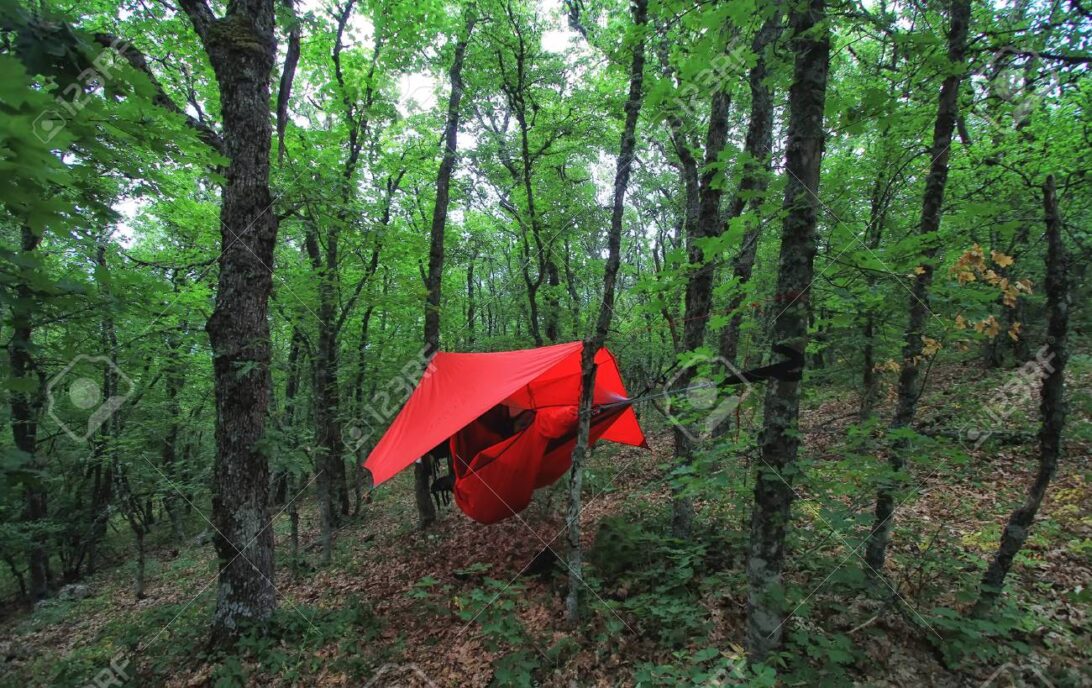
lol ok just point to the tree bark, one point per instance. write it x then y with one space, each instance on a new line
932 203
173 381
422 470
288 75
471 306
291 388
699 286
780 440
26 405
626 152
242 49
878 204
1052 411
326 397
751 193
138 576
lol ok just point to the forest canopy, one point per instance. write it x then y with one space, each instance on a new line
837 251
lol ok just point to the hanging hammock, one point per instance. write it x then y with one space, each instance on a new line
509 419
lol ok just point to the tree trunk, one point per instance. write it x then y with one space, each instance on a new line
756 174
751 193
288 419
26 405
326 396
870 382
422 470
138 577
331 484
1050 366
932 202
553 300
173 381
570 287
592 345
242 49
699 289
471 311
360 448
773 484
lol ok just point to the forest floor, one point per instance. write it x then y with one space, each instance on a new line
470 605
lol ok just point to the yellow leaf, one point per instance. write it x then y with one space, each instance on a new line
1001 259
888 366
1009 296
929 346
919 270
991 327
1014 332
960 322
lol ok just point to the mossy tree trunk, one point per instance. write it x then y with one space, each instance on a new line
773 493
241 47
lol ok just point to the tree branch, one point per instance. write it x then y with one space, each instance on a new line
284 91
139 62
201 17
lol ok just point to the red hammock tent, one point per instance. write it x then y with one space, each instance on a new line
470 400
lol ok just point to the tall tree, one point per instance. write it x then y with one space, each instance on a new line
324 252
26 406
592 344
751 193
242 49
702 268
931 208
773 493
433 280
1051 405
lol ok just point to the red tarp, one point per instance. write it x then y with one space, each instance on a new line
496 473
